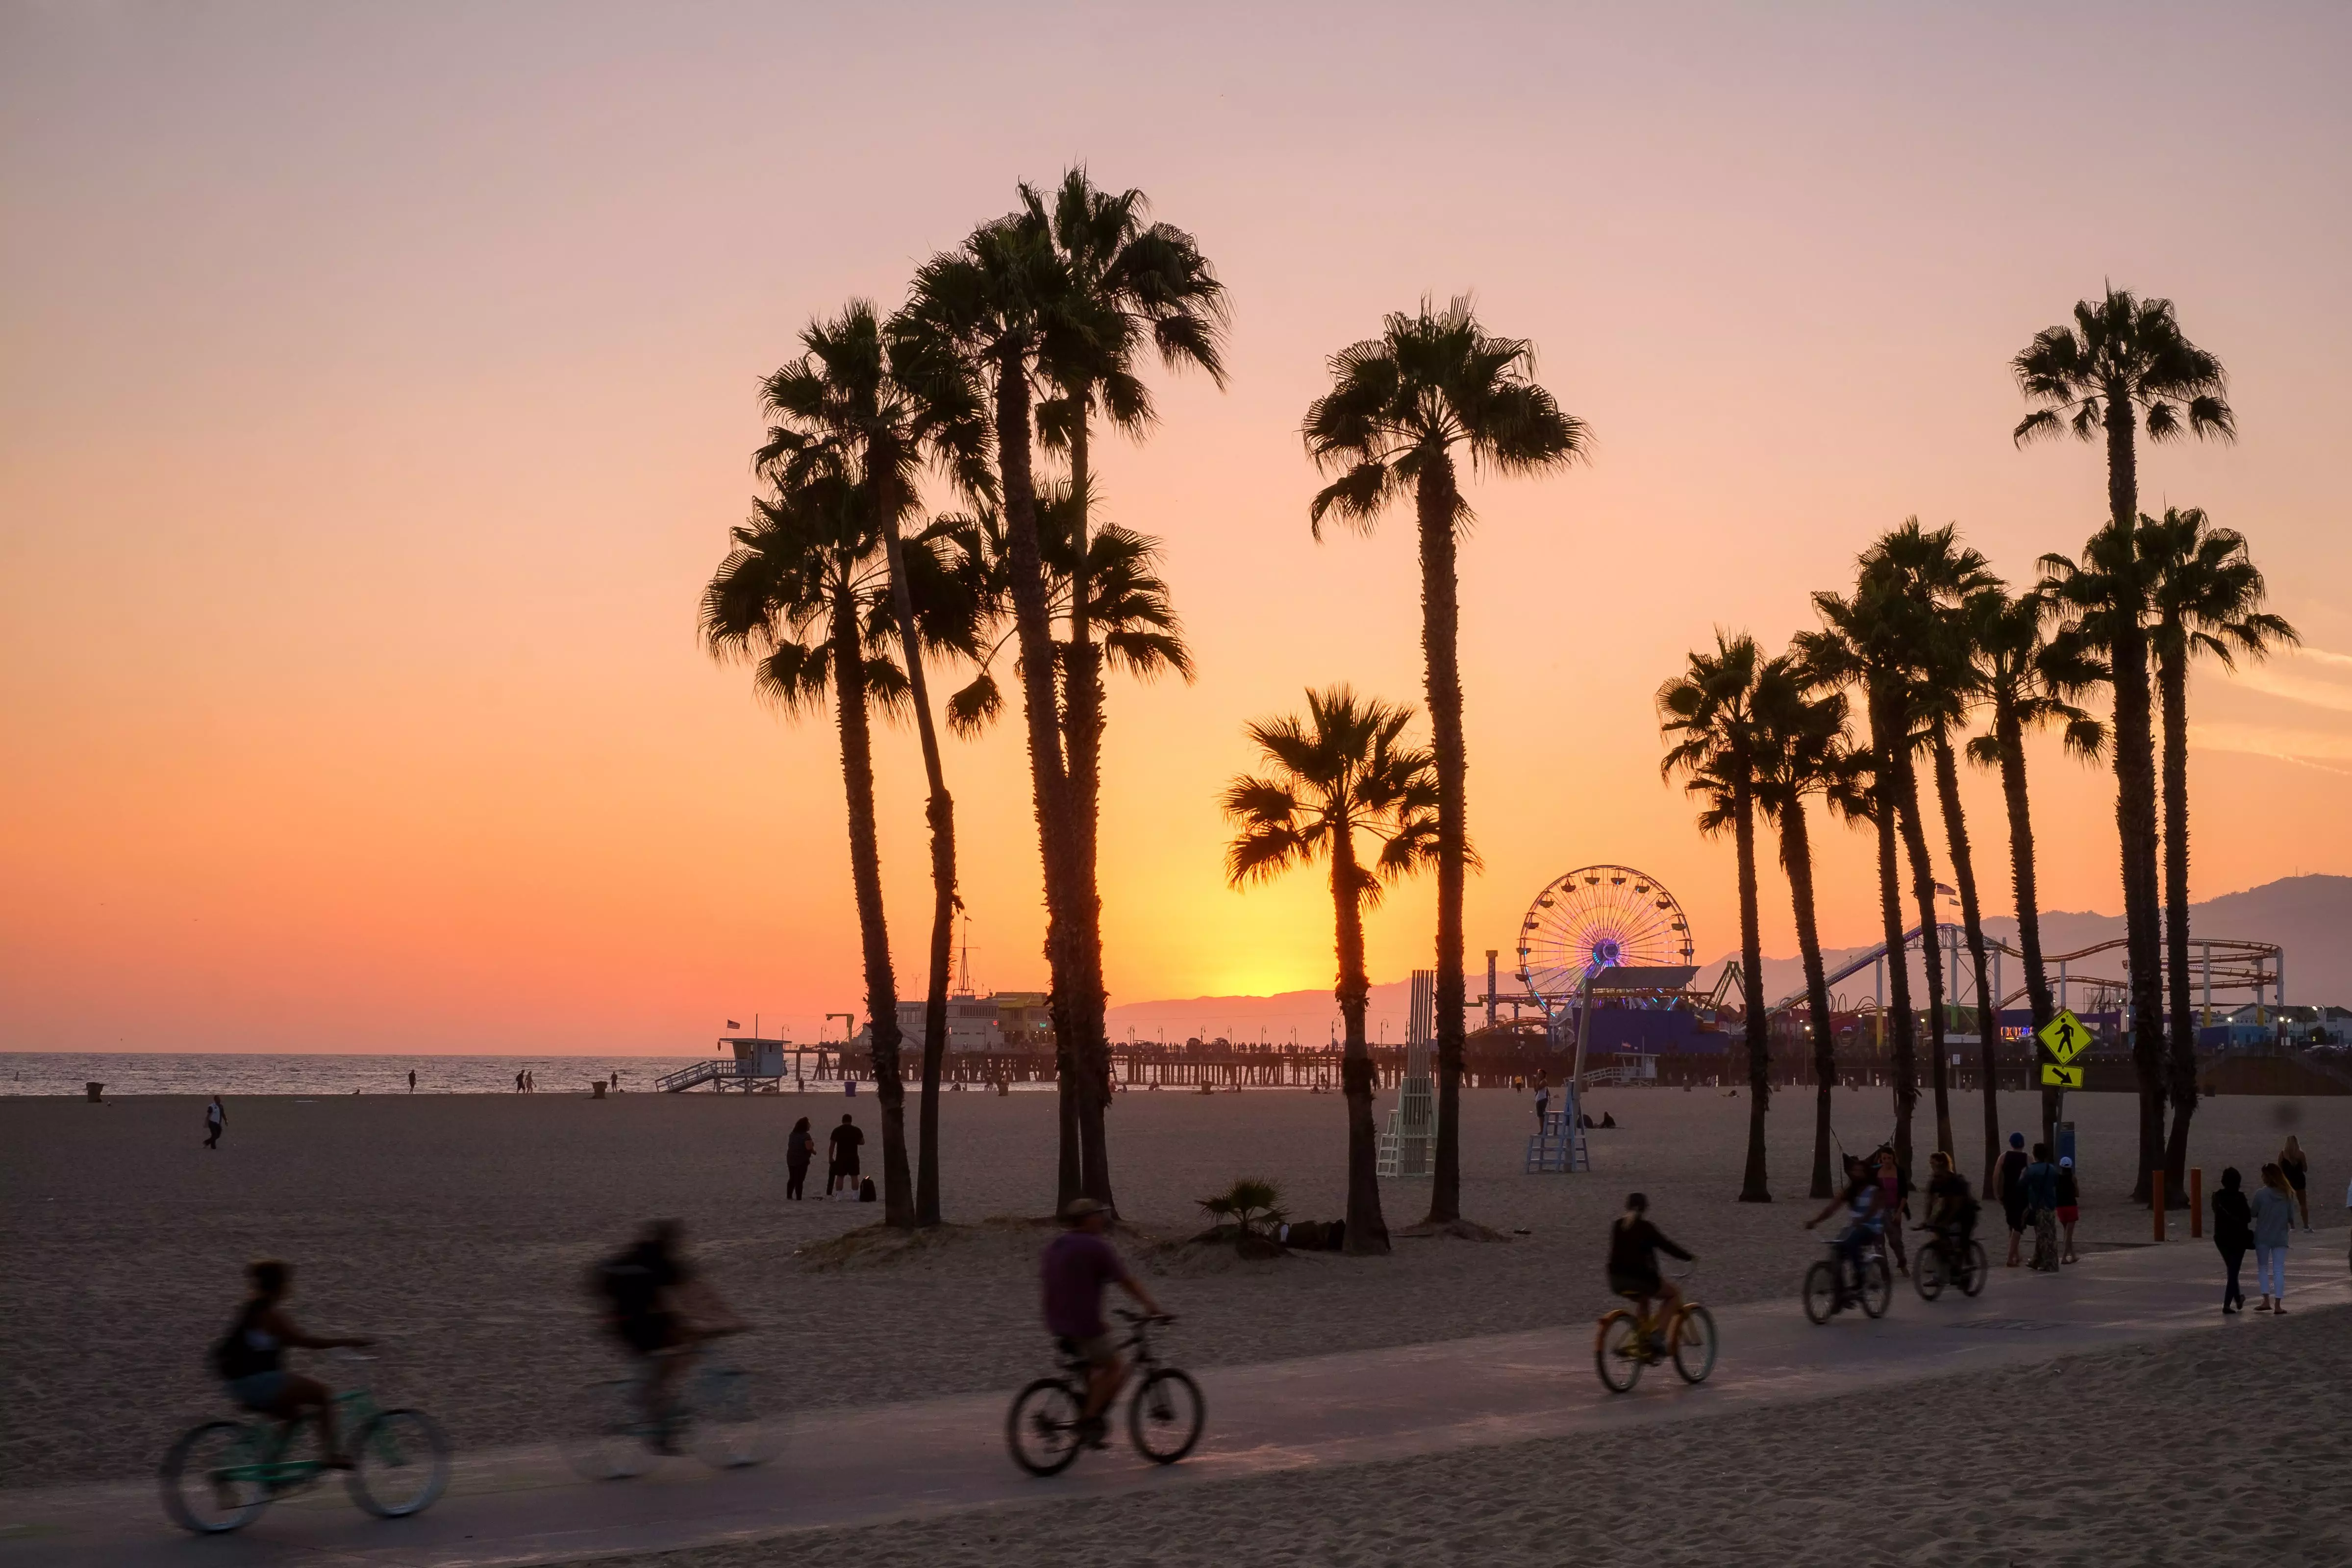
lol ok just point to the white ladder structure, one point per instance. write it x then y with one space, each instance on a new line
1408 1148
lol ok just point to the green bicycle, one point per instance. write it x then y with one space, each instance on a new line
219 1476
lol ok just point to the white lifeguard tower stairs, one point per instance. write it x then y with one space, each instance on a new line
757 1066
1559 1144
1409 1147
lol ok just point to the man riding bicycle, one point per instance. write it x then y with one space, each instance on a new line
660 1309
1078 1264
251 1359
1864 1201
1633 1247
1952 1207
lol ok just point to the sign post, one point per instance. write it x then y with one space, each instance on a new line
2063 1040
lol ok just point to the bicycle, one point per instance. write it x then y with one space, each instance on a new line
1045 1430
220 1475
1942 1262
1828 1292
1629 1340
718 1410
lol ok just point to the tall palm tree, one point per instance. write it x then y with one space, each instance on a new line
2208 599
1801 751
855 397
1401 406
804 594
2124 366
1005 305
1708 713
2019 678
1861 645
1346 769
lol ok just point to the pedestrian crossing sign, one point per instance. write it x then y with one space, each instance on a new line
2066 1039
2056 1076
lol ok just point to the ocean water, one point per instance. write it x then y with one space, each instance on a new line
165 1072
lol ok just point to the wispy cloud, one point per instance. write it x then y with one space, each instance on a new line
2308 748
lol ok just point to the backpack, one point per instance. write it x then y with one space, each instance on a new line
866 1190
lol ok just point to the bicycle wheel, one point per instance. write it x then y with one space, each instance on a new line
1980 1270
1694 1343
400 1464
1821 1290
607 1437
730 1427
1927 1273
1165 1415
1042 1428
211 1478
1877 1287
1617 1352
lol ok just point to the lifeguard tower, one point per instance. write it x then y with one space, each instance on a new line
1408 1147
754 1066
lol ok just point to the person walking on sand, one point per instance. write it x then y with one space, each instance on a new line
841 1157
216 1121
2008 1186
2274 1222
799 1149
2233 1232
517 1082
2297 1171
1543 1103
412 1081
2070 1207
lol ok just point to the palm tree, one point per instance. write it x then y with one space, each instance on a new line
2207 599
2122 366
1006 305
1709 713
2019 677
1861 645
803 593
855 397
1801 751
1347 768
1399 406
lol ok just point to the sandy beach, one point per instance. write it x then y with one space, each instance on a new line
458 1230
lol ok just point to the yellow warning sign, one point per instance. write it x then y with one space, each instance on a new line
2056 1076
2066 1038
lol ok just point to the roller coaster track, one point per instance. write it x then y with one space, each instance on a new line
2227 964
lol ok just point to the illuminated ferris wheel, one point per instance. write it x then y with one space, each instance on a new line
1598 917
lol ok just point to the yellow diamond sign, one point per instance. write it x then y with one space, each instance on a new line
2056 1076
2066 1039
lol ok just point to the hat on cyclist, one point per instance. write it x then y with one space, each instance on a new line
2066 1162
1079 1208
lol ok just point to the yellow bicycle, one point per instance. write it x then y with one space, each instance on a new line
1630 1339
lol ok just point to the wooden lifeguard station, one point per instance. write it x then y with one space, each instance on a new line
755 1066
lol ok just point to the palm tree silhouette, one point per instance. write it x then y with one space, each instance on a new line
1346 769
870 400
804 595
1399 406
2019 677
1708 712
2207 599
2122 366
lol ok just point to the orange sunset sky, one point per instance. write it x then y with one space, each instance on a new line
378 385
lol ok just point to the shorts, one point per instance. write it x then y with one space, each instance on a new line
649 1334
2017 1218
1094 1350
258 1391
1636 1285
2068 1214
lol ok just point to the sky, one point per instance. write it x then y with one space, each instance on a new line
377 386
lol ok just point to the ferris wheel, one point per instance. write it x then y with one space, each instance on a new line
1596 917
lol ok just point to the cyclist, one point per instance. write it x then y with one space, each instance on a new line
1951 1210
251 1359
1633 1247
1078 1264
1862 1201
661 1310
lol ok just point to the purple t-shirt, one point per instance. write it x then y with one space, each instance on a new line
1078 1264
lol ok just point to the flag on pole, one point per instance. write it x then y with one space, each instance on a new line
732 1024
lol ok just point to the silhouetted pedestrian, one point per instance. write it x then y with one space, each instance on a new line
799 1149
2233 1232
841 1164
2274 1222
215 1122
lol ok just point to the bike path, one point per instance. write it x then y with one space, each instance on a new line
853 1466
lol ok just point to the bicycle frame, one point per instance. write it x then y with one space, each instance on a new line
272 1437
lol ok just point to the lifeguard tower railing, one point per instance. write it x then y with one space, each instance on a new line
753 1065
1408 1147
1559 1143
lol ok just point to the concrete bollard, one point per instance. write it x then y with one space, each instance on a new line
2196 1202
94 1091
2156 1200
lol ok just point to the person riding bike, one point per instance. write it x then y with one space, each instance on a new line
1633 1247
660 1310
251 1359
1864 1201
1951 1208
1076 1265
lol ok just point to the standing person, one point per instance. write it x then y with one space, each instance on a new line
841 1157
1894 1203
2040 1185
799 1149
412 1081
2273 1222
1543 1103
2233 1232
517 1082
1076 1265
2008 1186
2297 1171
215 1122
2070 1206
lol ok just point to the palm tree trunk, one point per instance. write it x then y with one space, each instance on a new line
1797 861
1904 1067
2010 738
1049 782
1082 725
866 875
1923 893
2172 678
1368 1231
1964 877
1753 1186
1437 505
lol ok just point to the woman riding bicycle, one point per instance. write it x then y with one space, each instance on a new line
1633 1247
251 1359
1863 1202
